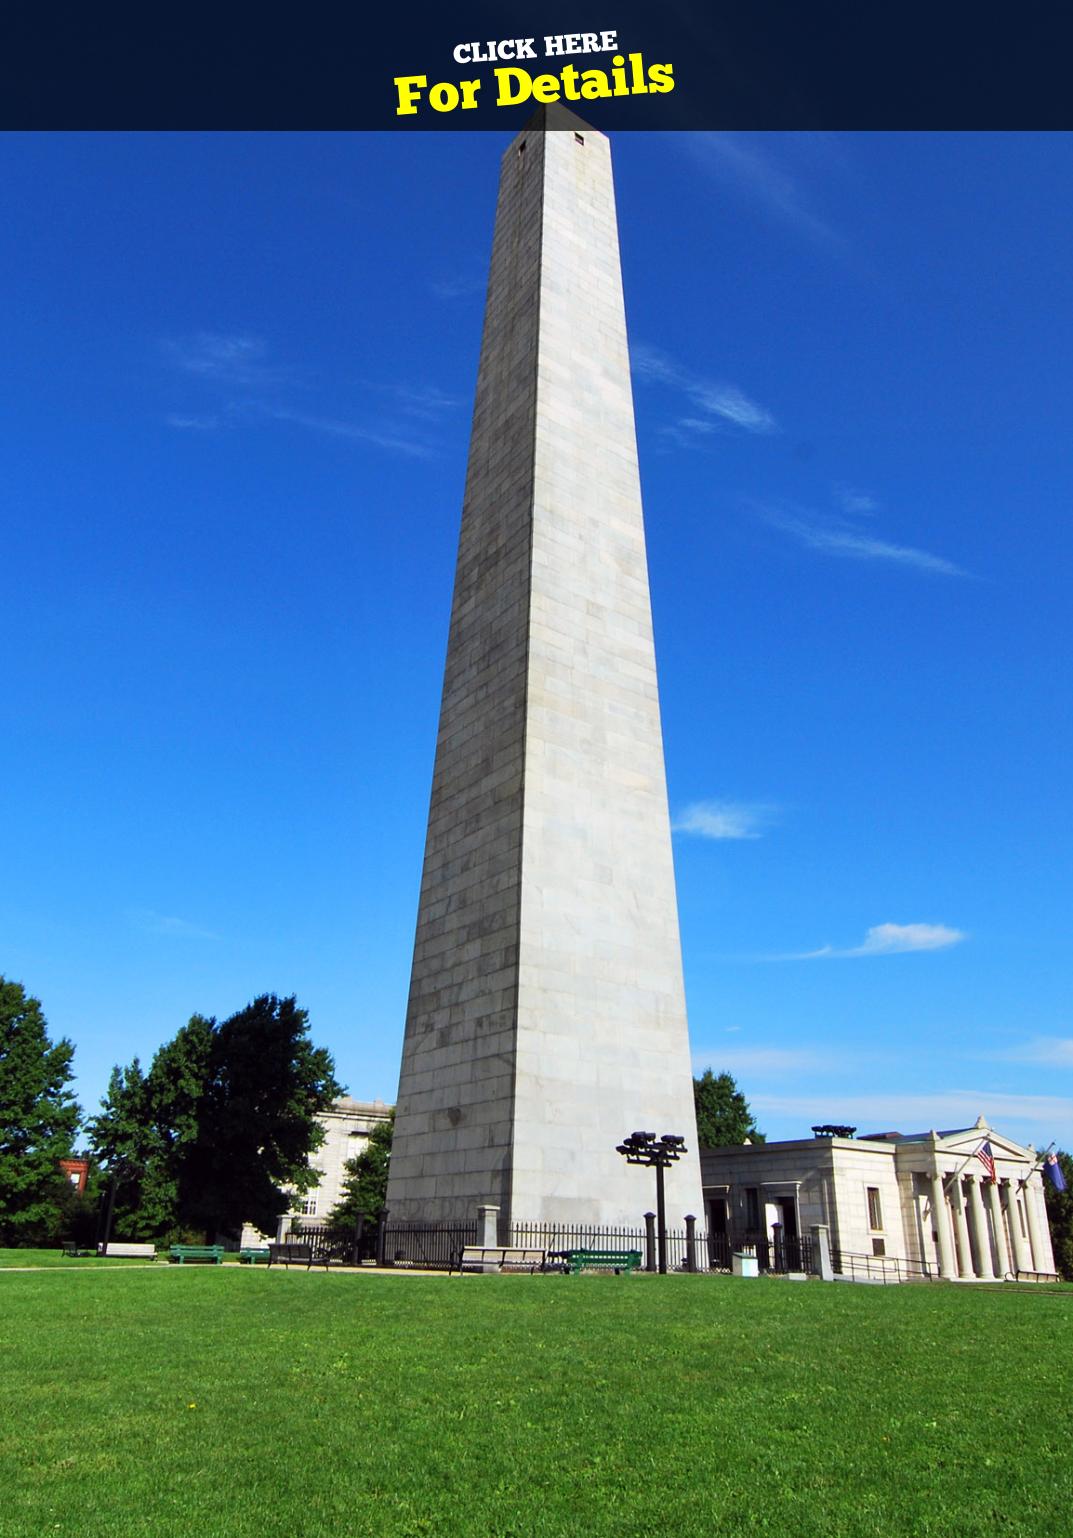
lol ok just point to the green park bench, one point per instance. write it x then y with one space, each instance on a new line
253 1257
603 1260
209 1254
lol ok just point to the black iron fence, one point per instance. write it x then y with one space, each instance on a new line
685 1252
425 1246
576 1236
436 1246
781 1255
720 1252
881 1268
348 1246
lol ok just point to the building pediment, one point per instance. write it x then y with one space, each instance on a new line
965 1142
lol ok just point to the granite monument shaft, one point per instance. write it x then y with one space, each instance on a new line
546 1016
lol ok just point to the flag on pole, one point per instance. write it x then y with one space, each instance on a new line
1053 1171
987 1159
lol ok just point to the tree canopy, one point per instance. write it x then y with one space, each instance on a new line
365 1187
38 1120
1060 1217
219 1132
723 1114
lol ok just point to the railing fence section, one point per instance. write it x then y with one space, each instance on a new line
782 1255
351 1246
882 1268
576 1236
435 1247
709 1254
425 1246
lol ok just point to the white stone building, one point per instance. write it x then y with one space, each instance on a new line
347 1125
912 1204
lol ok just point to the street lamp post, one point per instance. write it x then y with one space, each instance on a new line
655 1153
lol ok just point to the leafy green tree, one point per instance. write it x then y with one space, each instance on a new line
1060 1217
38 1120
219 1132
265 1084
365 1187
126 1143
723 1114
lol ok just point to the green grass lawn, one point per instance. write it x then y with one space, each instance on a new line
234 1401
16 1259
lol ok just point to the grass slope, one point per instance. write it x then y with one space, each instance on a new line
236 1402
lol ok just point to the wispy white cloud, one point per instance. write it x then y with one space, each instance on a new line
760 167
399 441
231 358
941 1109
191 423
722 407
1046 1051
887 940
854 502
834 537
152 923
725 819
737 1059
248 385
426 401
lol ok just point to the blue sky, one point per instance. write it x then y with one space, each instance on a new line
235 409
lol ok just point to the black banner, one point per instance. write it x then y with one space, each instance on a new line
757 64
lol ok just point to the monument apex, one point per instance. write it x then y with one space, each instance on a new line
546 1016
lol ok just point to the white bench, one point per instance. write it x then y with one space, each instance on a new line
128 1251
500 1257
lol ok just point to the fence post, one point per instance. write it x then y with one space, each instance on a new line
650 1241
691 1242
488 1227
358 1227
381 1238
821 1252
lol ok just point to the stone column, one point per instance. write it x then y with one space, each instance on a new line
978 1229
940 1219
821 1253
1002 1253
957 1201
488 1227
1022 1260
1035 1237
1036 1190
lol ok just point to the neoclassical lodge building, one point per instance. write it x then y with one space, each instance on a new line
347 1124
923 1202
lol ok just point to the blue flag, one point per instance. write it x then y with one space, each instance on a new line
1053 1170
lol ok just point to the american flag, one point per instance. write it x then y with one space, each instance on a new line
987 1159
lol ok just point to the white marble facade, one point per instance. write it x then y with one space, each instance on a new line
546 1018
920 1202
347 1125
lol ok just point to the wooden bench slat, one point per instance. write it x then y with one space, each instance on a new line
603 1260
502 1256
207 1252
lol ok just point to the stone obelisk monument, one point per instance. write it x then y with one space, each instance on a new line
546 1018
